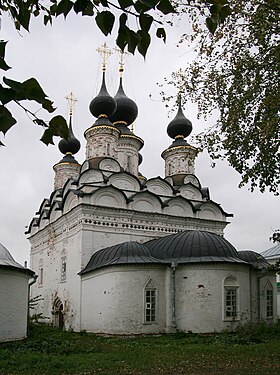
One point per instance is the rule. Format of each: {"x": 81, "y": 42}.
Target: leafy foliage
{"x": 48, "y": 350}
{"x": 145, "y": 12}
{"x": 237, "y": 73}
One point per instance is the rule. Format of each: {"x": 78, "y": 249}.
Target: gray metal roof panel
{"x": 120, "y": 254}
{"x": 194, "y": 246}
{"x": 272, "y": 252}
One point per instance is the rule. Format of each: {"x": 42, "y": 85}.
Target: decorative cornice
{"x": 98, "y": 127}
{"x": 66, "y": 163}
{"x": 132, "y": 137}
{"x": 179, "y": 148}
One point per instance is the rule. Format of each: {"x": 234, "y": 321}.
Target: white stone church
{"x": 117, "y": 253}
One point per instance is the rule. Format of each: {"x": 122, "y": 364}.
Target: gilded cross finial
{"x": 71, "y": 102}
{"x": 105, "y": 53}
{"x": 121, "y": 62}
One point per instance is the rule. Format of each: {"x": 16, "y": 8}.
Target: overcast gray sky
{"x": 63, "y": 58}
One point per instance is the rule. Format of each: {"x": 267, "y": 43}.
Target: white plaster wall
{"x": 64, "y": 171}
{"x": 101, "y": 141}
{"x": 199, "y": 296}
{"x": 68, "y": 291}
{"x": 13, "y": 305}
{"x": 179, "y": 161}
{"x": 113, "y": 300}
{"x": 127, "y": 154}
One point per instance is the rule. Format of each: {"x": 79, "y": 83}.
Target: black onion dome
{"x": 71, "y": 145}
{"x": 127, "y": 109}
{"x": 193, "y": 246}
{"x": 103, "y": 105}
{"x": 255, "y": 259}
{"x": 180, "y": 125}
{"x": 120, "y": 254}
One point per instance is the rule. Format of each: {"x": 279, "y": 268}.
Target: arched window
{"x": 150, "y": 302}
{"x": 269, "y": 300}
{"x": 231, "y": 298}
{"x": 63, "y": 266}
{"x": 41, "y": 272}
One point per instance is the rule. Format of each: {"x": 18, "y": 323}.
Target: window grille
{"x": 231, "y": 303}
{"x": 269, "y": 303}
{"x": 63, "y": 268}
{"x": 150, "y": 305}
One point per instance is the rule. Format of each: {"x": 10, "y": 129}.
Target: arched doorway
{"x": 58, "y": 314}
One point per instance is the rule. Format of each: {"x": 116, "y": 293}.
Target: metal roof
{"x": 255, "y": 259}
{"x": 121, "y": 254}
{"x": 8, "y": 262}
{"x": 272, "y": 252}
{"x": 194, "y": 246}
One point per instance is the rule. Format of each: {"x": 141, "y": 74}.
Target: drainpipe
{"x": 264, "y": 273}
{"x": 173, "y": 293}
{"x": 33, "y": 281}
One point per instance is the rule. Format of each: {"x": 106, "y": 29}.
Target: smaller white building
{"x": 272, "y": 255}
{"x": 14, "y": 280}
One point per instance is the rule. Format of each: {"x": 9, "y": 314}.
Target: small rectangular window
{"x": 63, "y": 268}
{"x": 40, "y": 276}
{"x": 231, "y": 303}
{"x": 150, "y": 305}
{"x": 269, "y": 303}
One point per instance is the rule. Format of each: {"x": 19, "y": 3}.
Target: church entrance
{"x": 58, "y": 314}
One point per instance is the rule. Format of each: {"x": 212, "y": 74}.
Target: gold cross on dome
{"x": 71, "y": 102}
{"x": 105, "y": 53}
{"x": 121, "y": 62}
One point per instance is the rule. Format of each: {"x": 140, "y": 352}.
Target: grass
{"x": 254, "y": 350}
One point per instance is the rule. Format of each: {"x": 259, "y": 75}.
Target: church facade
{"x": 118, "y": 253}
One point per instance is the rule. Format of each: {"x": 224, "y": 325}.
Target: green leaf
{"x": 58, "y": 126}
{"x": 23, "y": 16}
{"x": 141, "y": 8}
{"x": 161, "y": 33}
{"x": 225, "y": 12}
{"x": 105, "y": 21}
{"x": 121, "y": 40}
{"x": 64, "y": 7}
{"x": 149, "y": 3}
{"x": 3, "y": 64}
{"x": 80, "y": 5}
{"x": 2, "y": 48}
{"x": 144, "y": 43}
{"x": 122, "y": 20}
{"x": 165, "y": 7}
{"x": 145, "y": 21}
{"x": 33, "y": 90}
{"x": 122, "y": 32}
{"x": 132, "y": 40}
{"x": 125, "y": 3}
{"x": 47, "y": 137}
{"x": 89, "y": 10}
{"x": 48, "y": 106}
{"x": 6, "y": 95}
{"x": 104, "y": 3}
{"x": 211, "y": 25}
{"x": 6, "y": 119}
{"x": 17, "y": 87}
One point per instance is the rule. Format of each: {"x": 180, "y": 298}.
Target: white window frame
{"x": 269, "y": 298}
{"x": 150, "y": 303}
{"x": 231, "y": 299}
